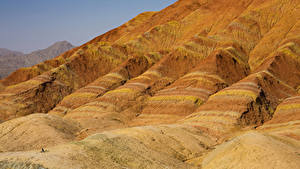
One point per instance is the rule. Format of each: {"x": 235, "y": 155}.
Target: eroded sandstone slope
{"x": 200, "y": 84}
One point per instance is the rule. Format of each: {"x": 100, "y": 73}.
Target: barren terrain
{"x": 200, "y": 84}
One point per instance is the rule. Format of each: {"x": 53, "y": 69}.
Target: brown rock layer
{"x": 200, "y": 84}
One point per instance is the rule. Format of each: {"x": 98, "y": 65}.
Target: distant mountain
{"x": 9, "y": 61}
{"x": 12, "y": 60}
{"x": 48, "y": 53}
{"x": 4, "y": 52}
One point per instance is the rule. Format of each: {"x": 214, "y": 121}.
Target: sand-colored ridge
{"x": 252, "y": 150}
{"x": 199, "y": 84}
{"x": 36, "y": 131}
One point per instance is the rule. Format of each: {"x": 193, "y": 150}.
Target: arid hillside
{"x": 200, "y": 84}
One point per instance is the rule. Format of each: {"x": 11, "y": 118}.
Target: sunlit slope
{"x": 200, "y": 84}
{"x": 77, "y": 75}
{"x": 111, "y": 36}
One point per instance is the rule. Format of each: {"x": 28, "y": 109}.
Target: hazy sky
{"x": 27, "y": 25}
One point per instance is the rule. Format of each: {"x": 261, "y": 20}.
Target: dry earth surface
{"x": 200, "y": 84}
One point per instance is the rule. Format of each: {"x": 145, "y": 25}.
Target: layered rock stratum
{"x": 200, "y": 84}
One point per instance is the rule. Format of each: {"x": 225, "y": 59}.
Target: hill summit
{"x": 208, "y": 84}
{"x": 11, "y": 60}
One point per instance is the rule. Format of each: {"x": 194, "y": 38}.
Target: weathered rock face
{"x": 200, "y": 84}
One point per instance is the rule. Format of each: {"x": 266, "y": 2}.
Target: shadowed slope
{"x": 24, "y": 74}
{"x": 36, "y": 95}
{"x": 201, "y": 84}
{"x": 89, "y": 57}
{"x": 162, "y": 74}
{"x": 129, "y": 30}
{"x": 129, "y": 69}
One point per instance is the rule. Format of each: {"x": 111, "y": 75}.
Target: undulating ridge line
{"x": 167, "y": 75}
{"x": 85, "y": 54}
{"x": 201, "y": 84}
{"x": 25, "y": 74}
